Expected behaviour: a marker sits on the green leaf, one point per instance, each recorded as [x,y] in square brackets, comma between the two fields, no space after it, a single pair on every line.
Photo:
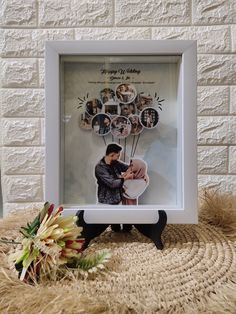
[25,234]
[32,227]
[88,262]
[24,255]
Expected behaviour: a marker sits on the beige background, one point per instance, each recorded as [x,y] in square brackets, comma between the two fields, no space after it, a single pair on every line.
[158,147]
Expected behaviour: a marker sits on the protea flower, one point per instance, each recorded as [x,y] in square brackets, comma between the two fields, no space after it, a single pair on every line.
[50,240]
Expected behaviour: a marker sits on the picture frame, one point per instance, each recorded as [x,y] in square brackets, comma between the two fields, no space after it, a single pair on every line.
[65,62]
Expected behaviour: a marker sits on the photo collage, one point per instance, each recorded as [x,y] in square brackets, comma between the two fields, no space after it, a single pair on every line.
[120,112]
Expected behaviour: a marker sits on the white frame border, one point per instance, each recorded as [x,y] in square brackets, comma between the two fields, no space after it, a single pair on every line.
[187,97]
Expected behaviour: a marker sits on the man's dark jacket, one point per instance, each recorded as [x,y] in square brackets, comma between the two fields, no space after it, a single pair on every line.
[109,183]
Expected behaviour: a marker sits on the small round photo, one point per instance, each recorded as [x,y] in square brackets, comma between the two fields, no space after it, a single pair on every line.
[85,121]
[107,95]
[101,124]
[149,118]
[93,106]
[125,93]
[120,127]
[136,126]
[143,101]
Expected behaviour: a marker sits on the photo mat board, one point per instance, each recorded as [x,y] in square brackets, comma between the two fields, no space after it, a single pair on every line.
[138,95]
[150,89]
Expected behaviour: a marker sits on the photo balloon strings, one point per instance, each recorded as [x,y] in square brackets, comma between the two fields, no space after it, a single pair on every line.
[125,149]
[104,140]
[134,146]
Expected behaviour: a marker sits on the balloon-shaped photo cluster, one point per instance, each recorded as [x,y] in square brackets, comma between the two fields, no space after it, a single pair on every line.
[121,112]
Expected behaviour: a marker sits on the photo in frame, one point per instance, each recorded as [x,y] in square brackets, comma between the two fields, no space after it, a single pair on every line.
[124,119]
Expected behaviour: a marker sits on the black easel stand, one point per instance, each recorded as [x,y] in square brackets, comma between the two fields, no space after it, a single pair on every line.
[152,231]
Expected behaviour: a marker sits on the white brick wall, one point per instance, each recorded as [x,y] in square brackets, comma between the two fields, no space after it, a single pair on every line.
[217,130]
[213,100]
[30,43]
[213,12]
[22,160]
[18,13]
[21,131]
[210,39]
[152,12]
[19,72]
[105,33]
[59,13]
[22,102]
[233,99]
[22,188]
[217,70]
[26,24]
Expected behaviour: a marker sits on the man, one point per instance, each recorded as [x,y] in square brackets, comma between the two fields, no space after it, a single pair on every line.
[110,175]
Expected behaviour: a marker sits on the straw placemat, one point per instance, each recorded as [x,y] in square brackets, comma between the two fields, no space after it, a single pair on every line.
[195,273]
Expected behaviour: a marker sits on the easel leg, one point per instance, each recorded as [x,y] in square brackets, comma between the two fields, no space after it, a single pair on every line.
[90,231]
[154,231]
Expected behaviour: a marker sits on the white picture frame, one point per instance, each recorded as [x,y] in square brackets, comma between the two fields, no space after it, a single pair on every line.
[185,210]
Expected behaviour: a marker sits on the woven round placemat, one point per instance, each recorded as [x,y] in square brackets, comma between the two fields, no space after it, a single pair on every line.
[196,263]
[194,273]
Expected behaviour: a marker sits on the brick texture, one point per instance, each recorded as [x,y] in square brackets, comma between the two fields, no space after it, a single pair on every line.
[217,70]
[233,99]
[21,132]
[216,130]
[152,12]
[62,13]
[23,160]
[22,102]
[210,39]
[113,33]
[22,189]
[212,160]
[18,13]
[19,73]
[213,100]
[222,183]
[213,12]
[232,160]
[12,207]
[233,29]
[30,43]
